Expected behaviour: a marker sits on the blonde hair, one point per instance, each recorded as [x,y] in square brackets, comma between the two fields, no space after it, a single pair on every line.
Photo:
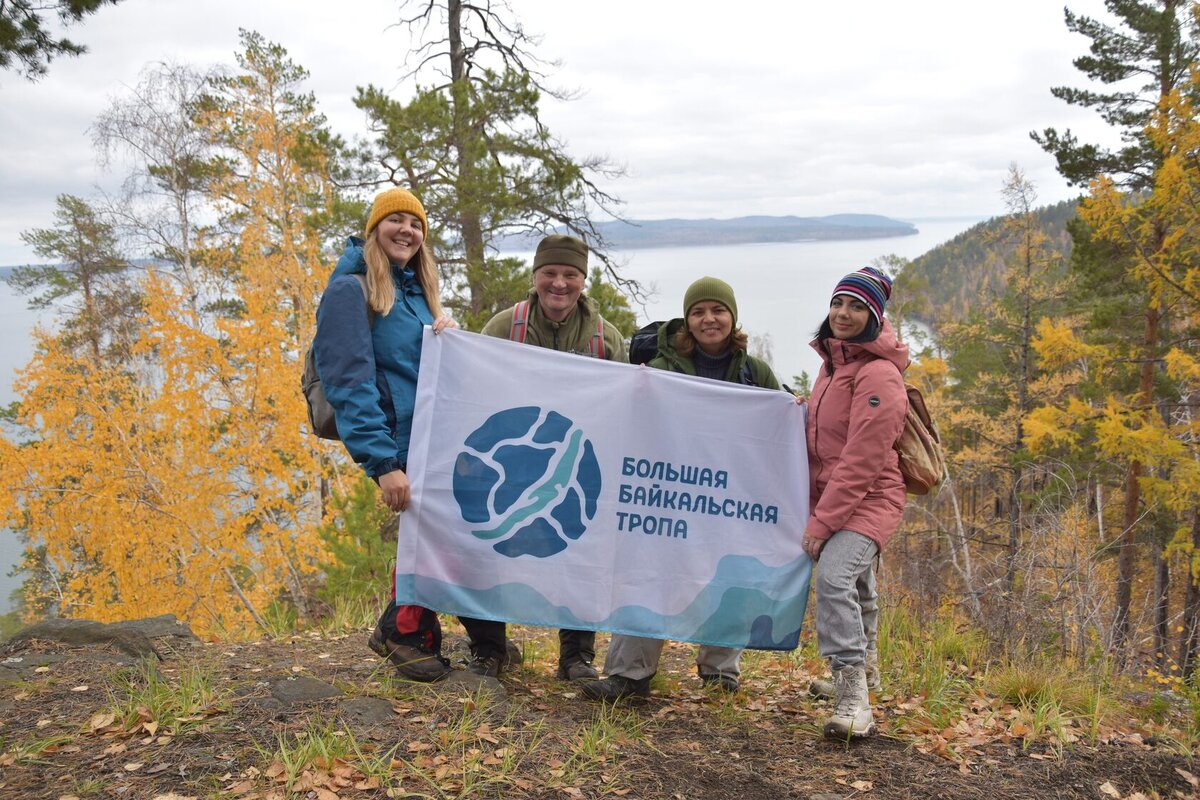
[381,291]
[685,343]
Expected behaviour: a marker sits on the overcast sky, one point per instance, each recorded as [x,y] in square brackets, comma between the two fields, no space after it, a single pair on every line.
[912,110]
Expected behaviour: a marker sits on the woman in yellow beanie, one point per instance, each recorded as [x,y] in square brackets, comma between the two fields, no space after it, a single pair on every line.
[367,350]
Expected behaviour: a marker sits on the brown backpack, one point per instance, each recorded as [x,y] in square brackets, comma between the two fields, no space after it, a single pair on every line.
[922,461]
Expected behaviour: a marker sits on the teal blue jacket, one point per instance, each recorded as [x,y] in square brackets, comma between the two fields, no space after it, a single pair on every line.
[369,370]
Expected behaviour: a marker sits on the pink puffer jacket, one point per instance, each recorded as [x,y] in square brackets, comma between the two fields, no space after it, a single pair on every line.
[855,416]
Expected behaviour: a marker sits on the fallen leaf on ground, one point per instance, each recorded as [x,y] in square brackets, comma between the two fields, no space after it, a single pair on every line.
[101,720]
[1107,788]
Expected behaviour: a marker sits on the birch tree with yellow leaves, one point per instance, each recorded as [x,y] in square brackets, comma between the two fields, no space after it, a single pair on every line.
[182,481]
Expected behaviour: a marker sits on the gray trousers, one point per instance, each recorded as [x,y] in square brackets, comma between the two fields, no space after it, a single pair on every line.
[847,603]
[636,657]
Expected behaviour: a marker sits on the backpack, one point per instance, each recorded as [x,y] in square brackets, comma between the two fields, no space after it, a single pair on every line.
[643,345]
[922,460]
[321,420]
[520,324]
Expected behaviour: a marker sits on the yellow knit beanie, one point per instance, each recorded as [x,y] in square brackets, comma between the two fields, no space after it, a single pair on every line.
[393,201]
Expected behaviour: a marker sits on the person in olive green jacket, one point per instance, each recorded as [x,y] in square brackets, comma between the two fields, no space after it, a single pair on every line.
[559,316]
[706,342]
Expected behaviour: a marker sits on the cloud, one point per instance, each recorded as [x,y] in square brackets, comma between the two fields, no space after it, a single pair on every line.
[714,109]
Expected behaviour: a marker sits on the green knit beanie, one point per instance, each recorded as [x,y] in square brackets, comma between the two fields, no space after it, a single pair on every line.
[561,250]
[710,289]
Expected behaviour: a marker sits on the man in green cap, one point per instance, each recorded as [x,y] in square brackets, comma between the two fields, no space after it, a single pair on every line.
[557,314]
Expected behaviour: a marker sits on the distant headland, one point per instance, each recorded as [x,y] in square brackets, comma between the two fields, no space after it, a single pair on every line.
[636,234]
[739,230]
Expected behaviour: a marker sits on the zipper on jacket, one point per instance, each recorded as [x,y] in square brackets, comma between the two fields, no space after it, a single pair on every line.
[816,427]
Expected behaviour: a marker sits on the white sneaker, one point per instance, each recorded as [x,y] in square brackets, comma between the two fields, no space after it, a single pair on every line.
[852,705]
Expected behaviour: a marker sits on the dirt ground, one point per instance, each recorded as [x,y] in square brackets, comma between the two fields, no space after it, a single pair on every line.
[77,722]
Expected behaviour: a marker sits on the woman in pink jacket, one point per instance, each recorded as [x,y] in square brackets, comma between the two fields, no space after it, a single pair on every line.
[855,416]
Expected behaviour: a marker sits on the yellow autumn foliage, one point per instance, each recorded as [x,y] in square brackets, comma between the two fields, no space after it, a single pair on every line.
[186,489]
[183,480]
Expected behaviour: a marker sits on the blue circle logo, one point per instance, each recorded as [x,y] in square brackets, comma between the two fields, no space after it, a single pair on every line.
[530,478]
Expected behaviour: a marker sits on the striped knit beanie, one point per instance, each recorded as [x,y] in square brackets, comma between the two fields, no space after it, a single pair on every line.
[394,201]
[869,285]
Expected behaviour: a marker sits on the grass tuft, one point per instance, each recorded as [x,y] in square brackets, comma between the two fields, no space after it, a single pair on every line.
[145,698]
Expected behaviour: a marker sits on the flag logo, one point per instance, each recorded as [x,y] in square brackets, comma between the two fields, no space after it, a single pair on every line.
[528,480]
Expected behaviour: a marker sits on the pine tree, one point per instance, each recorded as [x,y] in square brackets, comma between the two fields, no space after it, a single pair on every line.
[87,279]
[1157,44]
[27,44]
[476,151]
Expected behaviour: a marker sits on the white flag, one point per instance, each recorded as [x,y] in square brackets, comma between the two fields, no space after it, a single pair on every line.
[564,491]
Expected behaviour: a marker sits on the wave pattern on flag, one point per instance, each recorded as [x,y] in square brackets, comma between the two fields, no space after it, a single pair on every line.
[563,491]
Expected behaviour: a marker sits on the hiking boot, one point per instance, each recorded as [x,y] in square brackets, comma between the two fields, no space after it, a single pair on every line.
[874,679]
[822,689]
[825,690]
[410,659]
[616,687]
[851,705]
[487,666]
[577,669]
[726,683]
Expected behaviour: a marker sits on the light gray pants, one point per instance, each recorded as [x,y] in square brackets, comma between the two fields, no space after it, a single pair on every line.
[847,603]
[636,657]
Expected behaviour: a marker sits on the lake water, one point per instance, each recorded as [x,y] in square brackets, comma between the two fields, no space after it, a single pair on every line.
[782,291]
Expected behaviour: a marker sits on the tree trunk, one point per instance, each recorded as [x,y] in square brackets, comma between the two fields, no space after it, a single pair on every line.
[465,145]
[1162,587]
[1126,566]
[1190,646]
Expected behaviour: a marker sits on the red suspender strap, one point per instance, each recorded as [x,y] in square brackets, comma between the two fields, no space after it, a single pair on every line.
[597,343]
[520,321]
